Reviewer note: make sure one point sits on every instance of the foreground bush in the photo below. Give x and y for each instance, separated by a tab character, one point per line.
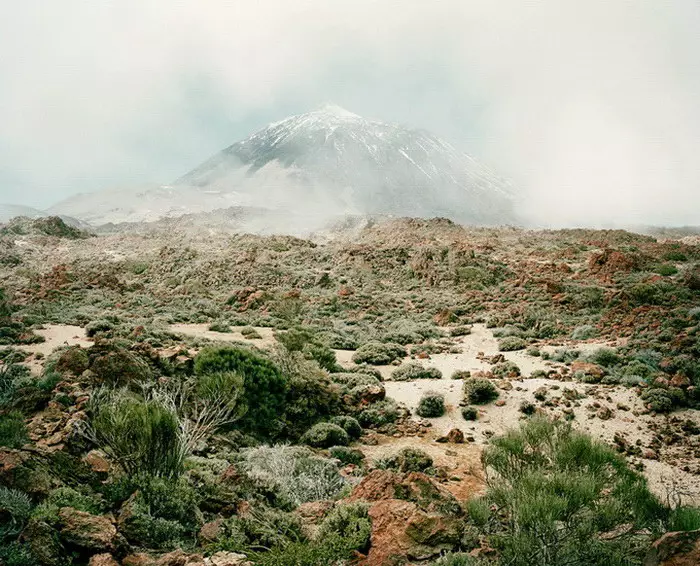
479	391
564	499
377	353
431	405
406	460
511	343
265	387
294	473
13	431
325	435
143	436
349	425
411	371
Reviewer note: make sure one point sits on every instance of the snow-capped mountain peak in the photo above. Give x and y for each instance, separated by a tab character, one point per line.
327	161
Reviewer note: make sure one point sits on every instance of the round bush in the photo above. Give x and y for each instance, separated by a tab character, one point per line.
461	374
411	371
347	455
378	414
378	353
349	425
470	413
431	405
407	460
505	369
479	391
265	386
511	343
325	435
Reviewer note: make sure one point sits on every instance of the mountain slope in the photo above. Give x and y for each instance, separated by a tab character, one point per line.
9	211
322	164
340	161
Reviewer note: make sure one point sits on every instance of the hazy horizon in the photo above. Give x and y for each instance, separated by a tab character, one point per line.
590	108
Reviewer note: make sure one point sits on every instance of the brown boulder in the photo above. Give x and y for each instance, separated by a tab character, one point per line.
105	559
455	436
87	531
228	559
139	559
675	549
418	488
311	514
211	531
401	531
97	461
371	394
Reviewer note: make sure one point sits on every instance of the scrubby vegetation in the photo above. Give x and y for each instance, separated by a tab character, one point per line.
412	371
479	391
160	441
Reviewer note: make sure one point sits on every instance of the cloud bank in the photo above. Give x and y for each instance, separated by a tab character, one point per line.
591	107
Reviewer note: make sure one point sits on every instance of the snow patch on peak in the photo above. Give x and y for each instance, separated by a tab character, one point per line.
335	110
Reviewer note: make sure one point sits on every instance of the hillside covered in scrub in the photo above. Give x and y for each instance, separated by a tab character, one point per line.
404	392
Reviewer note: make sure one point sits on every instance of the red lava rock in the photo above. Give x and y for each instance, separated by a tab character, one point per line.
679	380
500	403
103	560
675	549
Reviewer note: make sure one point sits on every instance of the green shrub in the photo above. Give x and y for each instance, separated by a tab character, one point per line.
378	414
265	387
142	436
666	269
584	332
378	353
115	366
329	551
511	343
406	460
17	554
220	326
325	435
505	369
606	357
163	513
461	374
311	397
13	431
559	492
98	327
479	391
349	425
457	331
663	400
15	510
73	360
527	408
294	473
431	405
675	255
412	371
347	455
684	518
470	413
351	523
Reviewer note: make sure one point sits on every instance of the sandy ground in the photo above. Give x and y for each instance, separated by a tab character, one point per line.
622	401
55	335
493	419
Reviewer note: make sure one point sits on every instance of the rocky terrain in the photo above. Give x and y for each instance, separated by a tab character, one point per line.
390	391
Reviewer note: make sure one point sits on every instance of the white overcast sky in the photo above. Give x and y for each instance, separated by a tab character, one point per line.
592	107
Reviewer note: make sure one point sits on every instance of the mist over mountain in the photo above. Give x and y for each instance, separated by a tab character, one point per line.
325	163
